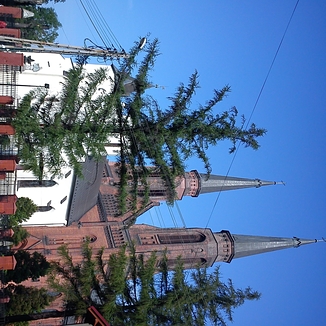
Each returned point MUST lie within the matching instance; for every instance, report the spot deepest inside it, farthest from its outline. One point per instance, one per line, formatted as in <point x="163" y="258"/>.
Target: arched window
<point x="189" y="237"/>
<point x="44" y="208"/>
<point x="36" y="183"/>
<point x="91" y="238"/>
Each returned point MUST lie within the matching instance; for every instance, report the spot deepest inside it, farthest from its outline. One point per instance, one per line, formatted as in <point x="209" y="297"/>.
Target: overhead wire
<point x="100" y="25"/>
<point x="105" y="24"/>
<point x="256" y="103"/>
<point x="93" y="23"/>
<point x="83" y="12"/>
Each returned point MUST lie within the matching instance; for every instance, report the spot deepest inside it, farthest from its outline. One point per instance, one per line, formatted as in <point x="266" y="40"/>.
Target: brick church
<point x="93" y="213"/>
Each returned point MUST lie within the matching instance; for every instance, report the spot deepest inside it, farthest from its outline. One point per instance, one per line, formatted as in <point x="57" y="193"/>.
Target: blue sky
<point x="234" y="43"/>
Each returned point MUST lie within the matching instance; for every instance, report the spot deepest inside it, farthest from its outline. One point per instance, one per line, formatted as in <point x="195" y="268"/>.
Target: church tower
<point x="93" y="215"/>
<point x="202" y="247"/>
<point x="195" y="246"/>
<point x="196" y="184"/>
<point x="97" y="219"/>
<point x="192" y="184"/>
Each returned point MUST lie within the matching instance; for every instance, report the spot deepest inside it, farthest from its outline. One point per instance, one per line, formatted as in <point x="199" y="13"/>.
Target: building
<point x="93" y="213"/>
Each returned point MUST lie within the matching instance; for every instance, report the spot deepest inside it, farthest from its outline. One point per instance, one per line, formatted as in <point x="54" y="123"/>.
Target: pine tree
<point x="131" y="291"/>
<point x="28" y="266"/>
<point x="54" y="131"/>
<point x="26" y="300"/>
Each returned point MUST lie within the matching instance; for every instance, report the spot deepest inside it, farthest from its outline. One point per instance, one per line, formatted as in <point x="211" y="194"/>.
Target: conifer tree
<point x="25" y="301"/>
<point x="28" y="266"/>
<point x="131" y="291"/>
<point x="54" y="131"/>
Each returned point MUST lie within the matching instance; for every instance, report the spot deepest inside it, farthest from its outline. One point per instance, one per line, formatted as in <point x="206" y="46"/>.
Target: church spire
<point x="199" y="183"/>
<point x="248" y="245"/>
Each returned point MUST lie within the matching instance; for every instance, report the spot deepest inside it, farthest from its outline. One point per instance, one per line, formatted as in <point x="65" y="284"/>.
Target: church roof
<point x="216" y="183"/>
<point x="247" y="245"/>
<point x="85" y="189"/>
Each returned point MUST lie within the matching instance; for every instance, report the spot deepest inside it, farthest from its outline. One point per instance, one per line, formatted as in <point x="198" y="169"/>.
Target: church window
<point x="147" y="239"/>
<point x="44" y="208"/>
<point x="157" y="193"/>
<point x="91" y="239"/>
<point x="181" y="238"/>
<point x="63" y="200"/>
<point x="155" y="175"/>
<point x="36" y="183"/>
<point x="109" y="204"/>
<point x="153" y="192"/>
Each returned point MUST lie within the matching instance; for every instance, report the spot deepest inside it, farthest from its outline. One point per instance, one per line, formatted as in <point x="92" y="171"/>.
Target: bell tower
<point x="202" y="247"/>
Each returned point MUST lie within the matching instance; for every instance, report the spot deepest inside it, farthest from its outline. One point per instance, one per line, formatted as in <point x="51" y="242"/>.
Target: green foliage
<point x="4" y="140"/>
<point x="52" y="132"/>
<point x="25" y="209"/>
<point x="168" y="137"/>
<point x="26" y="300"/>
<point x="129" y="290"/>
<point x="75" y="280"/>
<point x="43" y="26"/>
<point x="28" y="266"/>
<point x="81" y="118"/>
<point x="20" y="234"/>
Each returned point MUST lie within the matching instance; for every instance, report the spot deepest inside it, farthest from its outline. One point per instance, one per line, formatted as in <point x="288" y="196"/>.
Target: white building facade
<point x="54" y="196"/>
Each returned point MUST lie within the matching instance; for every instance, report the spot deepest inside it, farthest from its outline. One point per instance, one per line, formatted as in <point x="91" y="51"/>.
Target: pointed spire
<point x="216" y="183"/>
<point x="247" y="245"/>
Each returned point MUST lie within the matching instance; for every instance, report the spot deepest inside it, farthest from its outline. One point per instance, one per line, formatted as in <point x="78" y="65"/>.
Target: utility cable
<point x="255" y="105"/>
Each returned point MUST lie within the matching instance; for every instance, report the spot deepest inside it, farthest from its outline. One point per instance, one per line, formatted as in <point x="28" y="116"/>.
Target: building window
<point x="146" y="239"/>
<point x="36" y="183"/>
<point x="91" y="239"/>
<point x="63" y="200"/>
<point x="181" y="238"/>
<point x="44" y="208"/>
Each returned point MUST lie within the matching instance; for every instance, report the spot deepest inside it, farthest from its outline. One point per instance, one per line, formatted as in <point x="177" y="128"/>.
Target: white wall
<point x="51" y="71"/>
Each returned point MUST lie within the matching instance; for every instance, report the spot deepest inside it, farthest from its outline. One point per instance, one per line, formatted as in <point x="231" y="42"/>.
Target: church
<point x="93" y="213"/>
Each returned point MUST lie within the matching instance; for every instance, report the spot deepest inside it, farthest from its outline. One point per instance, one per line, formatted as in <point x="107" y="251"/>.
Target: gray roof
<point x="216" y="183"/>
<point x="247" y="245"/>
<point x="85" y="189"/>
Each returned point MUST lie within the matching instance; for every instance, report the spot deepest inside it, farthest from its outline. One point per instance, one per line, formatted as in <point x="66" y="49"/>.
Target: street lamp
<point x="142" y="43"/>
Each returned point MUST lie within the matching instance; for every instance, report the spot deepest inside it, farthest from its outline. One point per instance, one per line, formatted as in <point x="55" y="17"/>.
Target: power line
<point x="255" y="105"/>
<point x="100" y="25"/>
